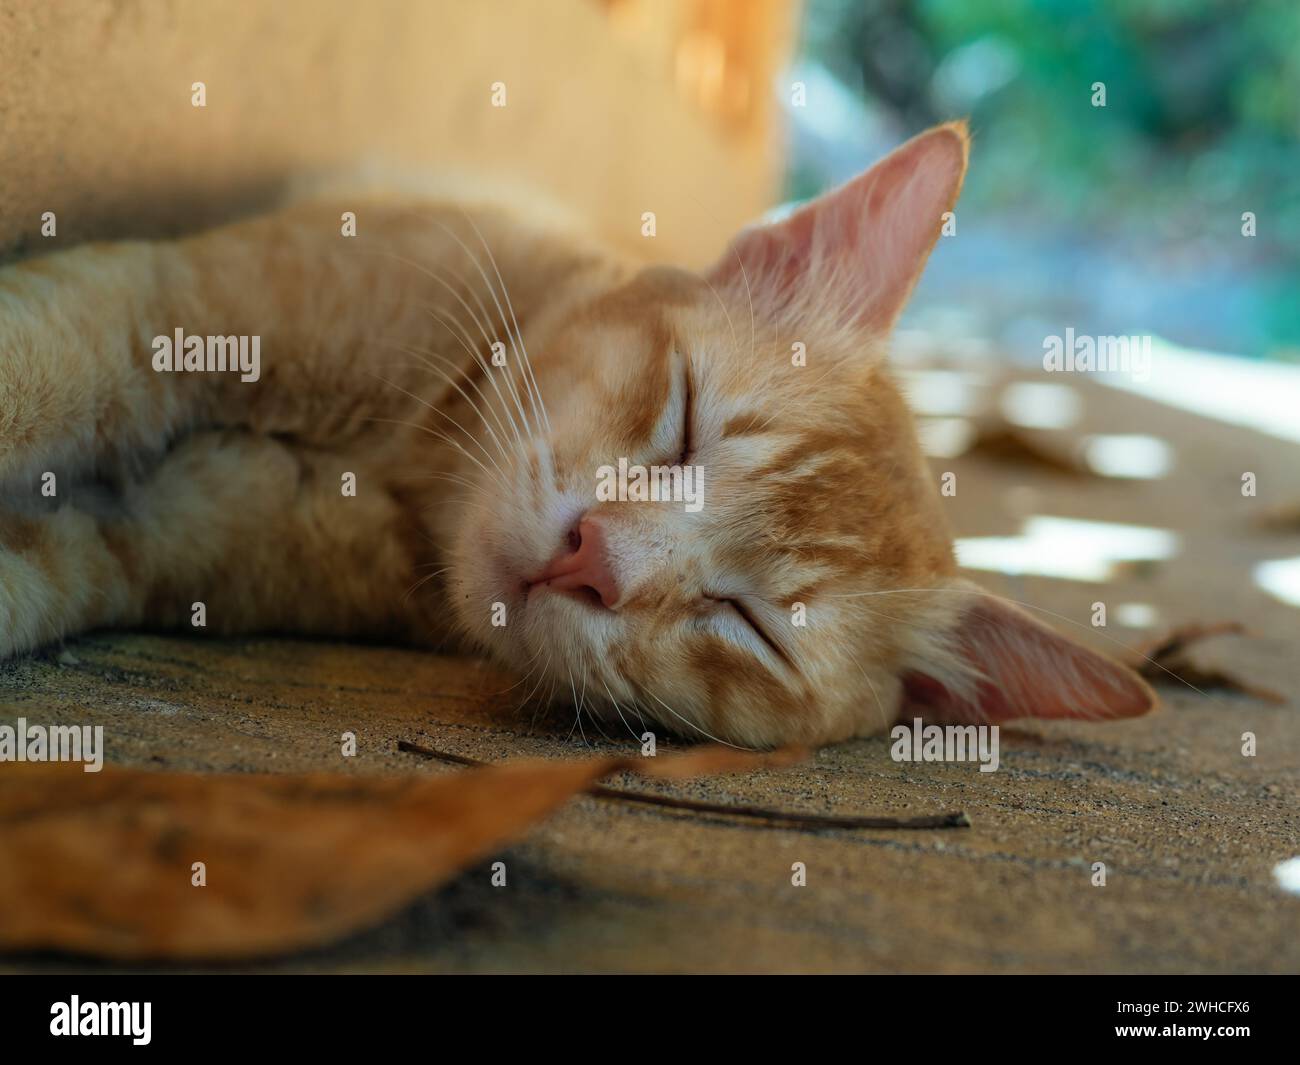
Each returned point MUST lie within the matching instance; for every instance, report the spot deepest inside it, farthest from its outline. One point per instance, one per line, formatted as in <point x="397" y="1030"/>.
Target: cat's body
<point x="225" y="491"/>
<point x="469" y="373"/>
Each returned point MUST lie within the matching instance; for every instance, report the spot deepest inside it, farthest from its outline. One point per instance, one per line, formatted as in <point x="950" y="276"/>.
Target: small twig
<point x="442" y="756"/>
<point x="761" y="814"/>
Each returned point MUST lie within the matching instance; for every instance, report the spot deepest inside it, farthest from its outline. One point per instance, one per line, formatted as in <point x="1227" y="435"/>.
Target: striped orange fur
<point x="471" y="372"/>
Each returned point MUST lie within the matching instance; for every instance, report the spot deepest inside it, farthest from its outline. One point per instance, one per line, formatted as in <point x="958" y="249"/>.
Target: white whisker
<point x="693" y="725"/>
<point x="459" y="333"/>
<point x="477" y="443"/>
<point x="425" y="356"/>
<point x="546" y="418"/>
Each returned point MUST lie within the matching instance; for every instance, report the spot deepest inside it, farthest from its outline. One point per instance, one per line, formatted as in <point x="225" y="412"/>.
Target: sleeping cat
<point x="417" y="460"/>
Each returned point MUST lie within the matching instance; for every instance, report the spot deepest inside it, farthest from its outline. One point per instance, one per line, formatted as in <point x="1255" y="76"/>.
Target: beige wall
<point x="607" y="108"/>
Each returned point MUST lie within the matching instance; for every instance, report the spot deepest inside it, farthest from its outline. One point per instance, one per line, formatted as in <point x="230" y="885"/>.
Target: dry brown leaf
<point x="1167" y="658"/>
<point x="100" y="863"/>
<point x="1285" y="517"/>
<point x="1006" y="444"/>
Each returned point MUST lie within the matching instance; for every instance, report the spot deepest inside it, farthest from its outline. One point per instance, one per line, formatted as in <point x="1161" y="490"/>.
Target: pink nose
<point x="583" y="564"/>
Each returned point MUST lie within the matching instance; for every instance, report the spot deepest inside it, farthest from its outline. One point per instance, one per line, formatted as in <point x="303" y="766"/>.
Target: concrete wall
<point x="97" y="124"/>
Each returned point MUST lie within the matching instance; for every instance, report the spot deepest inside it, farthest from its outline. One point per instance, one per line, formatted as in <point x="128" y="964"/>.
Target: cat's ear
<point x="855" y="253"/>
<point x="1010" y="665"/>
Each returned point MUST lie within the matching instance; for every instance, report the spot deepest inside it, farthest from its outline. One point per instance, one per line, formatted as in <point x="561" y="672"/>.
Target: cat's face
<point x="800" y="583"/>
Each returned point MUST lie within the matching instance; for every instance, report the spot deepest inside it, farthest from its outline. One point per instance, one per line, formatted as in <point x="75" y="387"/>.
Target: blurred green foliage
<point x="1201" y="123"/>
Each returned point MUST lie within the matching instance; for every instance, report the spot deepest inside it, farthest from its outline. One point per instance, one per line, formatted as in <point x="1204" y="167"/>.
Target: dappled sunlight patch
<point x="1287" y="875"/>
<point x="1257" y="395"/>
<point x="1281" y="579"/>
<point x="1067" y="548"/>
<point x="1136" y="615"/>
<point x="1040" y="405"/>
<point x="942" y="393"/>
<point x="945" y="438"/>
<point x="1133" y="456"/>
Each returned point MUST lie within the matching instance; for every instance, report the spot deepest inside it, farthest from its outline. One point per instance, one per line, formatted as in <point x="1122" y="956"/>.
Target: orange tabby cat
<point x="416" y="456"/>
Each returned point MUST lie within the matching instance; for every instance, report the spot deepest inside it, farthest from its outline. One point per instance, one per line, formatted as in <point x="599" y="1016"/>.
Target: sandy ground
<point x="1189" y="829"/>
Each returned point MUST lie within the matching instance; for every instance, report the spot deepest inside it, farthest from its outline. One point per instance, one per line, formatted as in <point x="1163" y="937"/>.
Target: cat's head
<point x="799" y="583"/>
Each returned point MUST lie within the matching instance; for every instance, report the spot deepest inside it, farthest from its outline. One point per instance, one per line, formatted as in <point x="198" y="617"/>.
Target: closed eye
<point x="688" y="405"/>
<point x="747" y="616"/>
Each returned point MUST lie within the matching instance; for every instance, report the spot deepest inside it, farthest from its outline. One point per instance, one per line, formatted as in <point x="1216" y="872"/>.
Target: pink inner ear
<point x="862" y="245"/>
<point x="1029" y="671"/>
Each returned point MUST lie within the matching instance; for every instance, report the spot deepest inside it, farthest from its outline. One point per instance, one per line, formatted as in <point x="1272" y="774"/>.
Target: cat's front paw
<point x="46" y="584"/>
<point x="27" y="416"/>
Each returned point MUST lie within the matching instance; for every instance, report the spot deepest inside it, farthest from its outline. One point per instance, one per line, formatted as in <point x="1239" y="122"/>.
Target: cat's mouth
<point x="581" y="593"/>
<point x="546" y="582"/>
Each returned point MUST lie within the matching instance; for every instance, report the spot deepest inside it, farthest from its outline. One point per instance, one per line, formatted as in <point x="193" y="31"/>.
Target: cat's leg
<point x="241" y="533"/>
<point x="335" y="319"/>
<point x="72" y="362"/>
<point x="342" y="325"/>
